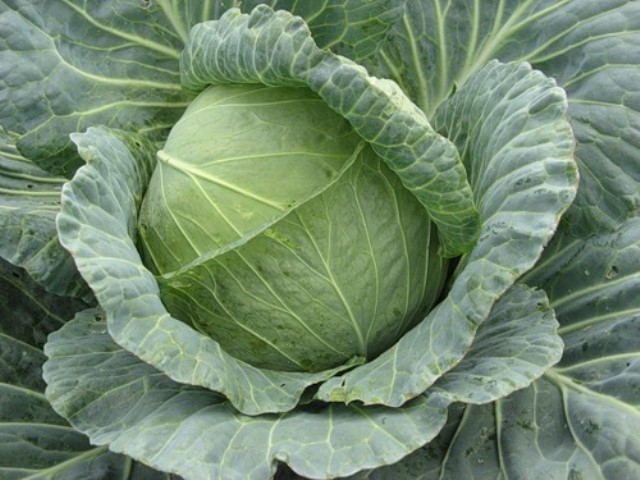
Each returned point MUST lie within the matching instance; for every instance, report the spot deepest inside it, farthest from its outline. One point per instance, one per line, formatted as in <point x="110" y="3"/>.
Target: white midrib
<point x="194" y="170"/>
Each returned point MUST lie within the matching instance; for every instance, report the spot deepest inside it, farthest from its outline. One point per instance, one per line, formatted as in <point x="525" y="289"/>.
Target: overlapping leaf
<point x="279" y="132"/>
<point x="68" y="65"/>
<point x="285" y="301"/>
<point x="34" y="441"/>
<point x="509" y="122"/>
<point x="590" y="48"/>
<point x="513" y="347"/>
<point x="581" y="419"/>
<point x="97" y="225"/>
<point x="29" y="202"/>
<point x="276" y="48"/>
<point x="351" y="28"/>
<point x="119" y="400"/>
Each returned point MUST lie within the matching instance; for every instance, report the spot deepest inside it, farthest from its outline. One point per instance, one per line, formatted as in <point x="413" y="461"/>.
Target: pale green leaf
<point x="509" y="122"/>
<point x="424" y="463"/>
<point x="230" y="136"/>
<point x="285" y="300"/>
<point x="115" y="398"/>
<point x="67" y="65"/>
<point x="276" y="48"/>
<point x="97" y="225"/>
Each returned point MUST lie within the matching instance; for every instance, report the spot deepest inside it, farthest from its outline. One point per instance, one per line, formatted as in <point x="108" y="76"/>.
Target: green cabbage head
<point x="275" y="231"/>
<point x="344" y="236"/>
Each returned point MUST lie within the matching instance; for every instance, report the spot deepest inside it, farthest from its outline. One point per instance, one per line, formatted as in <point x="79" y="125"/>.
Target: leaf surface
<point x="29" y="202"/>
<point x="276" y="48"/>
<point x="580" y="420"/>
<point x="246" y="156"/>
<point x="285" y="300"/>
<point x="513" y="347"/>
<point x="115" y="398"/>
<point x="68" y="65"/>
<point x="509" y="122"/>
<point x="590" y="48"/>
<point x="352" y="28"/>
<point x="35" y="442"/>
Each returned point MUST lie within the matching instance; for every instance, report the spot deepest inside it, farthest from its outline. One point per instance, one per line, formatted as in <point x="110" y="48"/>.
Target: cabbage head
<point x="349" y="238"/>
<point x="281" y="236"/>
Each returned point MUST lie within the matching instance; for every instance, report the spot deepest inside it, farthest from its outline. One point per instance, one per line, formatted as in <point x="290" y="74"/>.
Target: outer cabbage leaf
<point x="119" y="400"/>
<point x="592" y="50"/>
<point x="27" y="312"/>
<point x="423" y="464"/>
<point x="509" y="123"/>
<point x="68" y="65"/>
<point x="98" y="226"/>
<point x="513" y="347"/>
<point x="29" y="202"/>
<point x="276" y="49"/>
<point x="54" y="81"/>
<point x="34" y="441"/>
<point x="115" y="398"/>
<point x="581" y="419"/>
<point x="352" y="28"/>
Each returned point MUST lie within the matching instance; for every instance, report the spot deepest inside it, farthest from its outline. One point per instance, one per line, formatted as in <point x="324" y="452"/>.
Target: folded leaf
<point x="513" y="347"/>
<point x="510" y="123"/>
<point x="29" y="203"/>
<point x="98" y="226"/>
<point x="276" y="48"/>
<point x="116" y="399"/>
<point x="589" y="48"/>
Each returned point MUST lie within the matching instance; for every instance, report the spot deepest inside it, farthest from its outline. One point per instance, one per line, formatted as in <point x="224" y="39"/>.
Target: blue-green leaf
<point x="591" y="48"/>
<point x="116" y="399"/>
<point x="117" y="63"/>
<point x="27" y="311"/>
<point x="29" y="202"/>
<point x="35" y="442"/>
<point x="513" y="347"/>
<point x="581" y="419"/>
<point x="67" y="65"/>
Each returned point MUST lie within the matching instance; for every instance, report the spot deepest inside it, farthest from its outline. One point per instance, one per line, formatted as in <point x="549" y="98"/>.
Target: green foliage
<point x="319" y="239"/>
